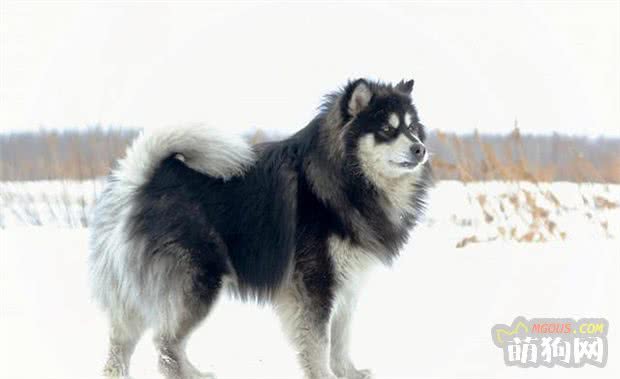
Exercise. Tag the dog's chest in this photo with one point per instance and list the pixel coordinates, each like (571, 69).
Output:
(398, 198)
(350, 262)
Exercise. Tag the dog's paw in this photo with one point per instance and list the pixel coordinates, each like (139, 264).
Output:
(202, 375)
(348, 371)
(360, 374)
(113, 370)
(322, 375)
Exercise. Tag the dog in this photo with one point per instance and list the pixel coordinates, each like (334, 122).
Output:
(191, 212)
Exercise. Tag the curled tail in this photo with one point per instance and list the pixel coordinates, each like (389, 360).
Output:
(114, 252)
(204, 149)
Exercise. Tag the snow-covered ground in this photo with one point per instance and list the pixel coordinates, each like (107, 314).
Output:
(429, 316)
(466, 212)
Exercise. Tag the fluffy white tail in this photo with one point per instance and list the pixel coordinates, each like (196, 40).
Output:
(204, 149)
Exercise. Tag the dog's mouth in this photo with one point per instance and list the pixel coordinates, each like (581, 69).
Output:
(409, 165)
(405, 164)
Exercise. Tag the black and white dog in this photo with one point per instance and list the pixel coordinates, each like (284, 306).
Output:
(190, 212)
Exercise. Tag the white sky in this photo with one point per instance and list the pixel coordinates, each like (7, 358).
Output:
(554, 66)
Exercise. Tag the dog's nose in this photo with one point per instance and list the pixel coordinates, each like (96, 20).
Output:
(418, 150)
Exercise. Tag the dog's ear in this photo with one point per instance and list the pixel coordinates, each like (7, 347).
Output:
(357, 95)
(405, 86)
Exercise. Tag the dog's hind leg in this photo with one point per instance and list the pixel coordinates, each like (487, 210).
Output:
(170, 344)
(125, 331)
(172, 334)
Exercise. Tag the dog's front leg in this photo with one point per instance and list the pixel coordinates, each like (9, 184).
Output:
(305, 316)
(340, 359)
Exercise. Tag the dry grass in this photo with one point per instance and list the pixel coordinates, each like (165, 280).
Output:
(525, 158)
(536, 212)
(48, 155)
(90, 153)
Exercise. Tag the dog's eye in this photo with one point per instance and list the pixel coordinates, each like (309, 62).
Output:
(414, 127)
(388, 129)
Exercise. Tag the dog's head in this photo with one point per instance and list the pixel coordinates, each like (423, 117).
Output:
(380, 130)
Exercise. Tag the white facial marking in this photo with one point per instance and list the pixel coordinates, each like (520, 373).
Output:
(383, 159)
(393, 120)
(407, 119)
(380, 164)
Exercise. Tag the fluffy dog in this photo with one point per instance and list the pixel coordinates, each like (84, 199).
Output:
(190, 212)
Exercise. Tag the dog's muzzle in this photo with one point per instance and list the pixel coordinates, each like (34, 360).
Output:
(417, 156)
(418, 152)
(417, 149)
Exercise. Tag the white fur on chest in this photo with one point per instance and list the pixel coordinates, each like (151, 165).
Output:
(350, 263)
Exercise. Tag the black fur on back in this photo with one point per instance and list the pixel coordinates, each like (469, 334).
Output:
(276, 219)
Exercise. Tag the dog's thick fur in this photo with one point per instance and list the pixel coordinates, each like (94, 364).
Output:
(190, 212)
